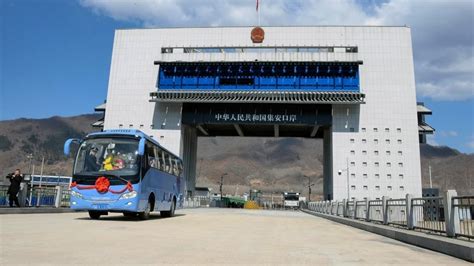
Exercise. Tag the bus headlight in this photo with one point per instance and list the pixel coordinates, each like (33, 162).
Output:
(129, 195)
(76, 194)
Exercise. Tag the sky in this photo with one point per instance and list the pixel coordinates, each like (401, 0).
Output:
(55, 54)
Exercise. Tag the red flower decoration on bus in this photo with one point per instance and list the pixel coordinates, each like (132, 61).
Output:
(102, 184)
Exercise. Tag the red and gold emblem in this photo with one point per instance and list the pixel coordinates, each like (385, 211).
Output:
(257, 35)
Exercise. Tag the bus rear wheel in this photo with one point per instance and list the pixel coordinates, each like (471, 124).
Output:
(95, 215)
(169, 213)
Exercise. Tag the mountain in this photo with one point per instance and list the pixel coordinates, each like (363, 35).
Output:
(268, 164)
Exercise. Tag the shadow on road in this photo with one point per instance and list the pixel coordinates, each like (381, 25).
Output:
(120, 218)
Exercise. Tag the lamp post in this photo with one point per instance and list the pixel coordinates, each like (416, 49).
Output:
(222, 181)
(347, 172)
(309, 187)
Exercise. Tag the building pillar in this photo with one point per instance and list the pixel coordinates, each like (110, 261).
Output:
(451, 213)
(409, 212)
(384, 210)
(189, 142)
(327, 165)
(367, 210)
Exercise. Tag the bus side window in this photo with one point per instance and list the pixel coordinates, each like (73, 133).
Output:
(157, 157)
(151, 155)
(170, 159)
(175, 167)
(167, 162)
(180, 167)
(162, 160)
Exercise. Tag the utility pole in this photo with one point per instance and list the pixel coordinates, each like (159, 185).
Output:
(222, 181)
(429, 170)
(309, 187)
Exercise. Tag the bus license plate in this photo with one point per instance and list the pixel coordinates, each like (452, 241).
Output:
(100, 206)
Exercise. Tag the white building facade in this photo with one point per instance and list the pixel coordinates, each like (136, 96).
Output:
(369, 127)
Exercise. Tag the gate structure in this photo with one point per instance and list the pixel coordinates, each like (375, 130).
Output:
(351, 86)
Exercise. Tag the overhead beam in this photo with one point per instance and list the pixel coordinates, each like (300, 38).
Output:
(314, 131)
(277, 130)
(239, 130)
(203, 131)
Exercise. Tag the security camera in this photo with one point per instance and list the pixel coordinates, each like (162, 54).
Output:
(339, 172)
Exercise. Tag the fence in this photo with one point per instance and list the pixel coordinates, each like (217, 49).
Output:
(3, 195)
(428, 214)
(450, 215)
(397, 212)
(463, 208)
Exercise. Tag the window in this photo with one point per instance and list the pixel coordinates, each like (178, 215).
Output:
(400, 176)
(364, 152)
(376, 141)
(376, 152)
(120, 125)
(352, 140)
(389, 164)
(363, 129)
(399, 130)
(364, 141)
(375, 129)
(364, 175)
(364, 164)
(376, 164)
(400, 164)
(377, 176)
(352, 129)
(151, 155)
(353, 163)
(389, 176)
(353, 175)
(402, 188)
(130, 126)
(400, 153)
(365, 187)
(387, 130)
(388, 153)
(377, 187)
(141, 126)
(166, 162)
(399, 141)
(352, 152)
(353, 187)
(389, 188)
(387, 141)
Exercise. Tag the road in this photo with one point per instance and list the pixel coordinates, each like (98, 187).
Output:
(201, 236)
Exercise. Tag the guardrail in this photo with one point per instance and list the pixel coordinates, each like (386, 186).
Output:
(450, 215)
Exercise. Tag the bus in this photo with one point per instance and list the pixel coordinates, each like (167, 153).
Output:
(125, 171)
(291, 200)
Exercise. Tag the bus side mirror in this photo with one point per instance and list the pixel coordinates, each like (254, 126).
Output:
(141, 146)
(67, 145)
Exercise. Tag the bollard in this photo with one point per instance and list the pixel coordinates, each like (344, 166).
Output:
(451, 213)
(409, 212)
(384, 210)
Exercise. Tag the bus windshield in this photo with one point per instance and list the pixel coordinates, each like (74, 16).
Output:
(111, 156)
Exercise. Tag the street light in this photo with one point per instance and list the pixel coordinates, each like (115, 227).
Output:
(222, 181)
(347, 171)
(309, 187)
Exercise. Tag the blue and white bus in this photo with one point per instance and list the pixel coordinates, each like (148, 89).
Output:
(125, 171)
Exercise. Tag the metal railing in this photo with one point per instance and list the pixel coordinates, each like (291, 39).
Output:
(376, 210)
(428, 214)
(397, 212)
(463, 208)
(3, 195)
(361, 209)
(43, 196)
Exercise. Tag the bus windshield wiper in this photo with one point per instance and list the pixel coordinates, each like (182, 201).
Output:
(119, 178)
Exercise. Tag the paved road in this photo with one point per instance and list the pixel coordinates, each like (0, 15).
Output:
(200, 236)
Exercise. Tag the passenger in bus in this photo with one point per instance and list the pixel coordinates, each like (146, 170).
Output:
(91, 164)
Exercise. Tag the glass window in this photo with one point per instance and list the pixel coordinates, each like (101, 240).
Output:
(353, 163)
(376, 152)
(387, 129)
(363, 129)
(365, 175)
(399, 130)
(115, 156)
(352, 140)
(364, 152)
(364, 141)
(377, 176)
(387, 152)
(353, 175)
(389, 188)
(387, 141)
(389, 176)
(400, 153)
(375, 129)
(400, 176)
(364, 163)
(376, 164)
(352, 152)
(365, 187)
(399, 141)
(377, 187)
(376, 141)
(402, 188)
(150, 152)
(353, 187)
(400, 164)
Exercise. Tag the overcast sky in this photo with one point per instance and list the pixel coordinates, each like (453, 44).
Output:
(442, 33)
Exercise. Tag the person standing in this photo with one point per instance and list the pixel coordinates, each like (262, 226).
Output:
(14, 188)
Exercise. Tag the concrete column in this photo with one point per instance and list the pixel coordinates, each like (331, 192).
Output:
(189, 142)
(353, 216)
(59, 196)
(327, 163)
(344, 208)
(451, 214)
(384, 210)
(367, 212)
(23, 194)
(409, 212)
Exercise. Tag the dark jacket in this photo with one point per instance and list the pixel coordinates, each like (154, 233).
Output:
(15, 181)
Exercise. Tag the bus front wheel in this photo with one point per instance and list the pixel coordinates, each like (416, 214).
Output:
(95, 215)
(144, 215)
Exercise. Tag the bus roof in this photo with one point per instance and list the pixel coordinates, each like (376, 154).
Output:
(128, 132)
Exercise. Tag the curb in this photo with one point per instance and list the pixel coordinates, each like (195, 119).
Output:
(34, 210)
(449, 246)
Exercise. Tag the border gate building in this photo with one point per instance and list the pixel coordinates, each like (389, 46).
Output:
(352, 86)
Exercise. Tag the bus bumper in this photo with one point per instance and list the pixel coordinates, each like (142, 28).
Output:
(120, 205)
